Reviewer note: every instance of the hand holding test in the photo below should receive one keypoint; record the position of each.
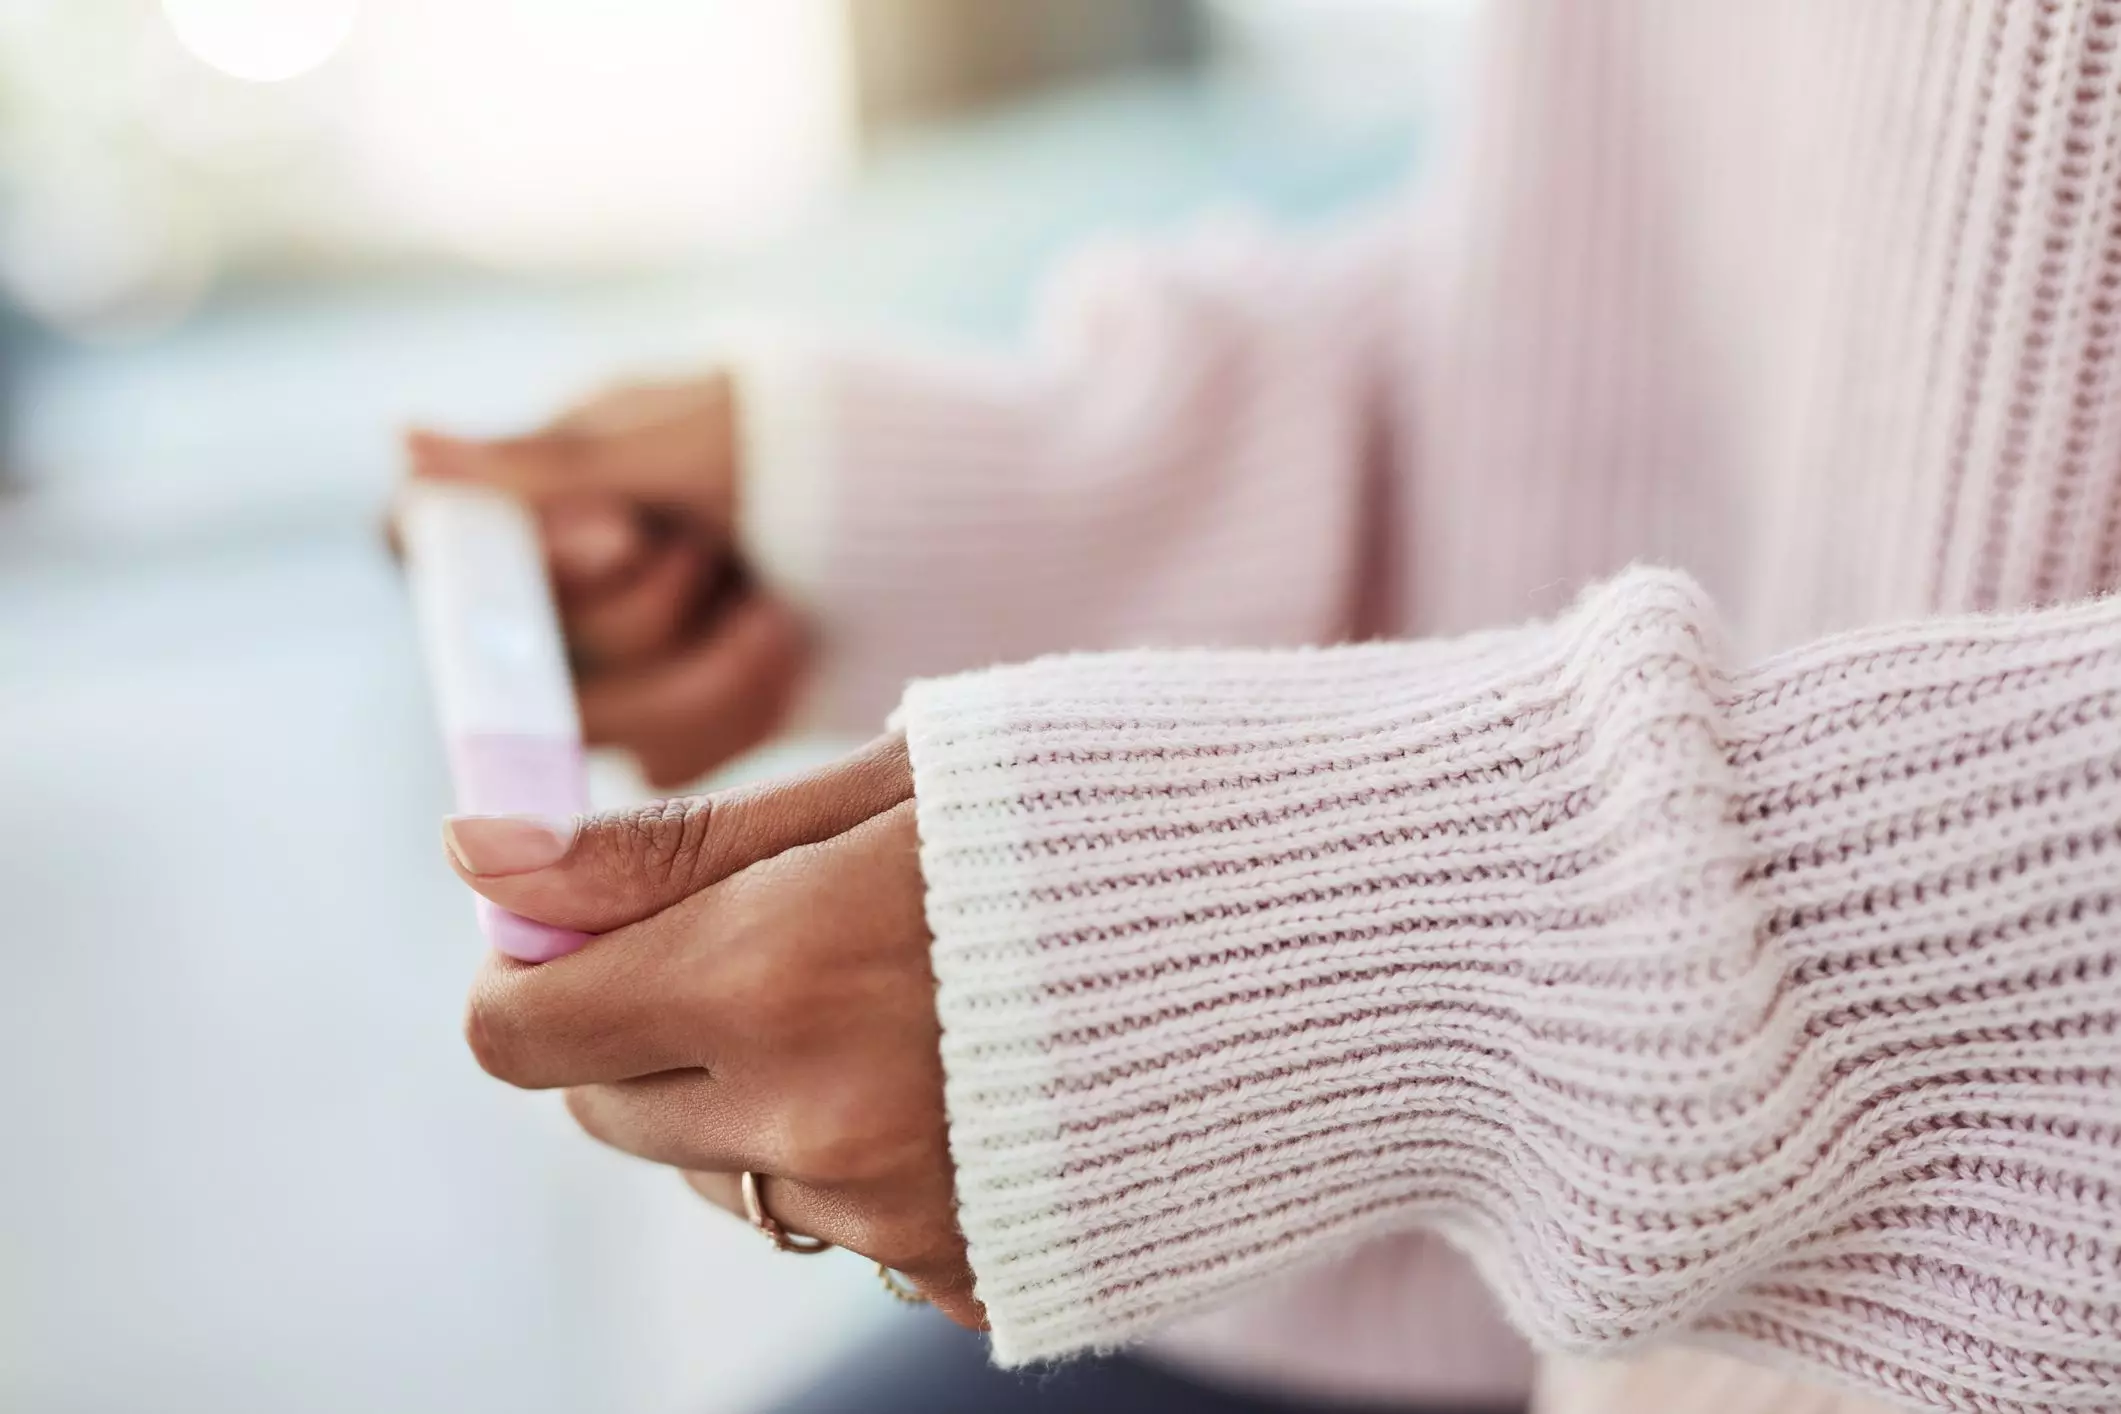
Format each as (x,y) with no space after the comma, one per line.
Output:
(491,636)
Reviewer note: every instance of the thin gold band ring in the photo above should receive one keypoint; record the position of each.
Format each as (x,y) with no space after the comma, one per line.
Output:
(781,1237)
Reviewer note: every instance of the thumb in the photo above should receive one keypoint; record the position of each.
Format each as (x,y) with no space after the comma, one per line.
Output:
(595,873)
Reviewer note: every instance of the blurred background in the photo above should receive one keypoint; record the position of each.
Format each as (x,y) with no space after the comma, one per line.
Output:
(248,1164)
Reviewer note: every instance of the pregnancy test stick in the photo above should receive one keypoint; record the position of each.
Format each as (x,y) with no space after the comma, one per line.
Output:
(491,637)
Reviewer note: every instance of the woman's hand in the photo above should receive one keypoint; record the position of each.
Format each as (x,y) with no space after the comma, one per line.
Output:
(677,657)
(760,998)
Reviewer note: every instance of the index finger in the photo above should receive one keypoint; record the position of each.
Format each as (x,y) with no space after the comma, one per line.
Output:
(536,467)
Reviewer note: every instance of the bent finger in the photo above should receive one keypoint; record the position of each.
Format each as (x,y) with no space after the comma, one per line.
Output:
(715,698)
(641,618)
(598,1015)
(685,1119)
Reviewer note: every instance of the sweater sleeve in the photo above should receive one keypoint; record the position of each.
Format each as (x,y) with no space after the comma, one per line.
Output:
(1125,483)
(1771,1004)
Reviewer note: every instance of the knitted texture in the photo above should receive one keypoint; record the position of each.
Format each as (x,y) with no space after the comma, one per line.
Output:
(1781,1003)
(1195,416)
(1707,972)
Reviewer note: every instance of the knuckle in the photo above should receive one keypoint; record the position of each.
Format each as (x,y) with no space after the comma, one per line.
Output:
(669,840)
(493,1030)
(483,1040)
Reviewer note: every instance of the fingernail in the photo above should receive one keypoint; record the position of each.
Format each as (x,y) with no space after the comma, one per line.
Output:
(493,846)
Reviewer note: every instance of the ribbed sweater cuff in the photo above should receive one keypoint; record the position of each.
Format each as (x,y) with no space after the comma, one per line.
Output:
(1205,1012)
(1630,972)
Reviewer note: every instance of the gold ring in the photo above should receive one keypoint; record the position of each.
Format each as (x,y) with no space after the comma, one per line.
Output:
(900,1287)
(781,1237)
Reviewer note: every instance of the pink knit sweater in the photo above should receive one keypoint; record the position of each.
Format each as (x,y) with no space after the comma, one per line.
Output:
(1728,950)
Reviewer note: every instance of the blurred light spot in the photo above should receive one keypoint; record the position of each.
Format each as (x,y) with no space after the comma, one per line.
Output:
(102,251)
(264,41)
(568,135)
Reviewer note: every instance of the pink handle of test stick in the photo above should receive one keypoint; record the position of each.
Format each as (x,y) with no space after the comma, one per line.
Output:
(498,774)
